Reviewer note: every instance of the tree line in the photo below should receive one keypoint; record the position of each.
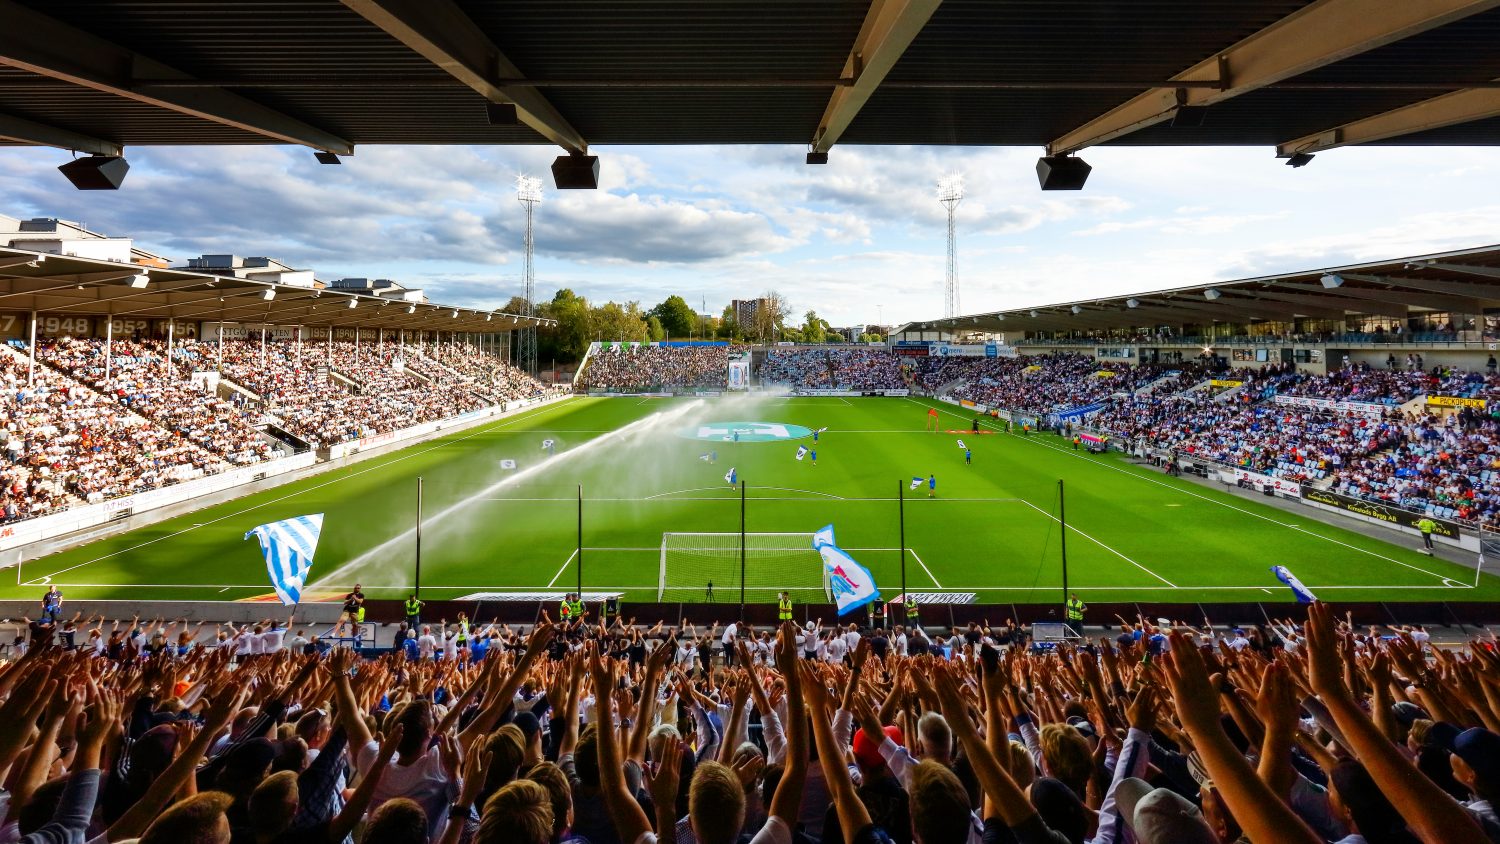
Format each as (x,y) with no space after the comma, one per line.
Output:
(581,322)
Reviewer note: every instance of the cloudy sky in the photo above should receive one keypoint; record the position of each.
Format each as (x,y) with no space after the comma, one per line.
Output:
(858,240)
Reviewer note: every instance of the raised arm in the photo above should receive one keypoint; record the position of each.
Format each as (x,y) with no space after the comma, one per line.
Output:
(1432,814)
(629,818)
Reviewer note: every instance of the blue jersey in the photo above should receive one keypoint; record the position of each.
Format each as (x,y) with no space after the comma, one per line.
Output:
(814,455)
(480,647)
(410,646)
(932,482)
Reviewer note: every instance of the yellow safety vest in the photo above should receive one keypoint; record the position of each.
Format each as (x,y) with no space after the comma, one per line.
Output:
(564,610)
(785,606)
(1075,609)
(413,607)
(577,609)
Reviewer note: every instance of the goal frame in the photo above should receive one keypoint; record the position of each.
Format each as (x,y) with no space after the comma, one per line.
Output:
(661,569)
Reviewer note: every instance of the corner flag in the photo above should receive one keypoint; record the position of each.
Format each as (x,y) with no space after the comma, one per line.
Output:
(851,583)
(288,546)
(1304,595)
(731,478)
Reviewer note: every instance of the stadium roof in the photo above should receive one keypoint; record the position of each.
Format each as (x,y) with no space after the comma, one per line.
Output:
(70,286)
(1466,281)
(96,75)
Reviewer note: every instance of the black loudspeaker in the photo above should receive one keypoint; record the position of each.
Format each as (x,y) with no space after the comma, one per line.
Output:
(1062,172)
(611,608)
(576,172)
(501,114)
(817,158)
(1189,116)
(96,172)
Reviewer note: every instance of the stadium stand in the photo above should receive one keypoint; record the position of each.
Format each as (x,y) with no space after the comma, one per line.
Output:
(839,369)
(1162,734)
(654,367)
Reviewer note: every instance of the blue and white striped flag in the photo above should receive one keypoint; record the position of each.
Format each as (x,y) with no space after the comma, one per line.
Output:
(731,478)
(917,481)
(288,546)
(1304,595)
(801,451)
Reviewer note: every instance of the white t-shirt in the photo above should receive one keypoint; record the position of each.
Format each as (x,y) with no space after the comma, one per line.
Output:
(426,644)
(271,640)
(852,639)
(730,633)
(837,647)
(423,781)
(774,832)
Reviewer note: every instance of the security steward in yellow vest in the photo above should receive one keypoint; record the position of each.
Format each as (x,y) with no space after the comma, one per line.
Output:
(576,608)
(784,607)
(913,612)
(413,612)
(1075,609)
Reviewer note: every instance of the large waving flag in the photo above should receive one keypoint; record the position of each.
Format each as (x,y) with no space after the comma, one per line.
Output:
(731,478)
(1304,595)
(801,451)
(288,546)
(917,481)
(851,583)
(962,446)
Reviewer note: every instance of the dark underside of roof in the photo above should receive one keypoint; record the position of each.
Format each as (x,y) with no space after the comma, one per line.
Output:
(771,65)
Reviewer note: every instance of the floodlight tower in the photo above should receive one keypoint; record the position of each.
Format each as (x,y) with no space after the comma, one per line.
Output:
(529,192)
(950,192)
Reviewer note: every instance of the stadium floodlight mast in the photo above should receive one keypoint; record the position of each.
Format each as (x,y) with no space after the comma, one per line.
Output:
(529,192)
(950,192)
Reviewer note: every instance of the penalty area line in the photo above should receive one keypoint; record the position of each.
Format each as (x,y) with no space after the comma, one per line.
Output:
(1108,548)
(564,568)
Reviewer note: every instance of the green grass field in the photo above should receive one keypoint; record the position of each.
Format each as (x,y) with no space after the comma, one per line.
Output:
(1133,534)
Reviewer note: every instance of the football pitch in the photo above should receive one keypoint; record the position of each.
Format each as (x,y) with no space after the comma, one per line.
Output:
(501,513)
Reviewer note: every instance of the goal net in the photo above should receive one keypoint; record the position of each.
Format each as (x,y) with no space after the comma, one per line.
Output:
(773,562)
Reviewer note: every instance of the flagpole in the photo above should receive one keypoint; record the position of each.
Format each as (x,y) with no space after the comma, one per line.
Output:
(1062,521)
(417,588)
(742,549)
(901,521)
(580,542)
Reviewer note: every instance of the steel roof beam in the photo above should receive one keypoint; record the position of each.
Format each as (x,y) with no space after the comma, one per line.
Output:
(439,31)
(1467,269)
(1410,298)
(22,131)
(1487,292)
(1464,106)
(1326,302)
(36,43)
(1315,36)
(889,28)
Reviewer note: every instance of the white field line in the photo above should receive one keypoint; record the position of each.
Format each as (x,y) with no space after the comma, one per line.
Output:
(659,499)
(1226,504)
(922,564)
(443,444)
(1102,545)
(491,587)
(563,568)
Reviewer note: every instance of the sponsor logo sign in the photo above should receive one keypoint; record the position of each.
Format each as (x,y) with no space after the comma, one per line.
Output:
(1455,401)
(1379,511)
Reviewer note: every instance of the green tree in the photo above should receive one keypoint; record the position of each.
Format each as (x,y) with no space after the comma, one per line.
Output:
(814,328)
(677,318)
(729,327)
(615,322)
(571,336)
(654,329)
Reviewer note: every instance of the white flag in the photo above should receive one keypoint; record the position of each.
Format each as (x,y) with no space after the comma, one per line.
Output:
(962,446)
(801,451)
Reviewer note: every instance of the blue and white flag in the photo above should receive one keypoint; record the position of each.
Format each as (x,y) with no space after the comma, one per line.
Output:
(1304,595)
(917,481)
(821,430)
(962,446)
(823,537)
(801,451)
(288,546)
(547,445)
(851,583)
(706,458)
(731,478)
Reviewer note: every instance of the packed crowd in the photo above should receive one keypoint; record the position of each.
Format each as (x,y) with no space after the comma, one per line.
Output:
(1045,384)
(656,367)
(66,443)
(141,380)
(840,369)
(325,410)
(496,379)
(1293,734)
